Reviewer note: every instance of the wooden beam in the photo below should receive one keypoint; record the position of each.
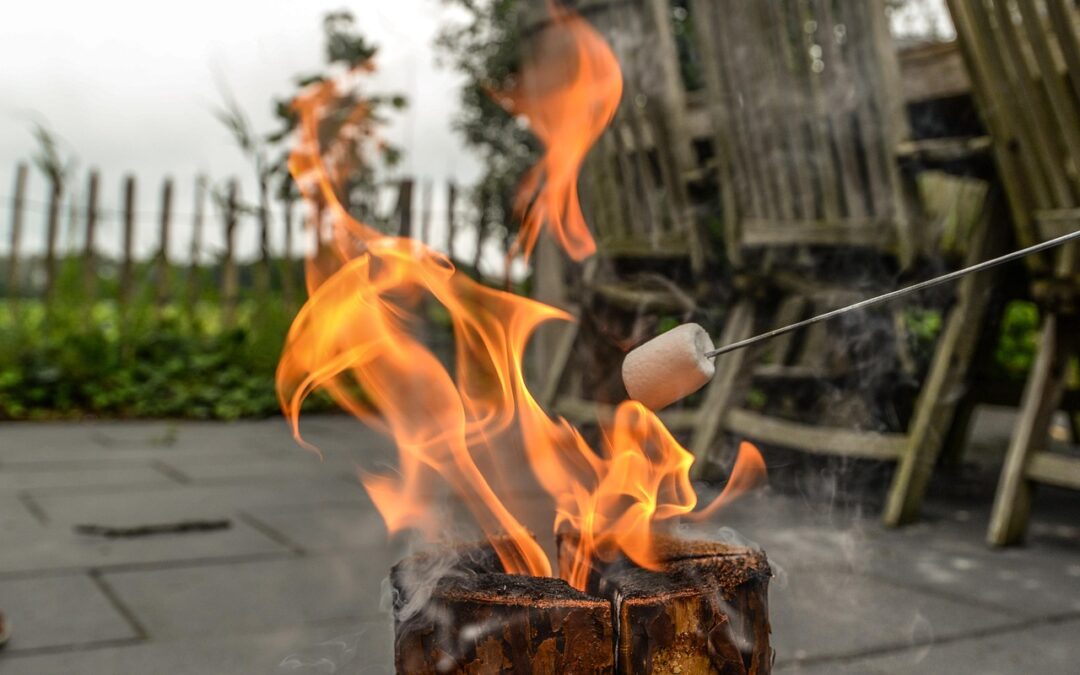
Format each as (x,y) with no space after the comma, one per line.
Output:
(843,232)
(1055,469)
(814,439)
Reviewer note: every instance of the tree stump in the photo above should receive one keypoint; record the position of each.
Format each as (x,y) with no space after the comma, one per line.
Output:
(704,611)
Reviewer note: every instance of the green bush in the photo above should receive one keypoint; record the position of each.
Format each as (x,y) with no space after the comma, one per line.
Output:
(81,362)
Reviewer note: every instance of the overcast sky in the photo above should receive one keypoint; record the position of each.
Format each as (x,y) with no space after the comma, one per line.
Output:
(129,85)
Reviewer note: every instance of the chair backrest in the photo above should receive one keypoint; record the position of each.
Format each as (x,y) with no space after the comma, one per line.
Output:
(808,114)
(635,184)
(1024,58)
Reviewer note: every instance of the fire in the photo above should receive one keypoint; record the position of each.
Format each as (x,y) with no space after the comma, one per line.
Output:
(568,91)
(355,339)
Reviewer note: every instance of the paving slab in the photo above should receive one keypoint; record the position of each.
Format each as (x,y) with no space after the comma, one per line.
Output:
(1047,649)
(59,612)
(819,614)
(180,502)
(42,550)
(74,479)
(339,648)
(325,529)
(296,465)
(254,596)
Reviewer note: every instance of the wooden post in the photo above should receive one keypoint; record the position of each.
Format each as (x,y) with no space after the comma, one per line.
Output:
(17,202)
(127,244)
(262,277)
(163,237)
(196,245)
(426,200)
(52,234)
(404,207)
(229,274)
(288,285)
(90,277)
(482,226)
(451,220)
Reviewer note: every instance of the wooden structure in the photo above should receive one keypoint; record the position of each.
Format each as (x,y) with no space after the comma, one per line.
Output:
(1024,58)
(801,131)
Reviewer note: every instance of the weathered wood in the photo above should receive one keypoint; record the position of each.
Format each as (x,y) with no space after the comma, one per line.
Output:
(195,250)
(464,615)
(89,257)
(52,236)
(288,281)
(703,610)
(1042,393)
(262,220)
(230,275)
(868,233)
(940,393)
(1054,469)
(404,208)
(451,219)
(18,201)
(127,244)
(814,439)
(164,231)
(427,197)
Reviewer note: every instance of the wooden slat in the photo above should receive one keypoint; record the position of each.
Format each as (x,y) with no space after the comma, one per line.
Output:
(165,226)
(89,261)
(1057,222)
(1055,468)
(1064,24)
(814,439)
(880,235)
(590,412)
(824,165)
(127,262)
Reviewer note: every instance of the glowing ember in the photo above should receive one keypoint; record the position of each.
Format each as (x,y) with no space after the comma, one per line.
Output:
(354,339)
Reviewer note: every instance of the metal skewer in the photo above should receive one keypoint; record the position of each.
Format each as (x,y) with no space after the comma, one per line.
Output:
(914,288)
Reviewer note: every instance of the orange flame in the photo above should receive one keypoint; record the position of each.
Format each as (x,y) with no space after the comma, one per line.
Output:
(355,339)
(568,91)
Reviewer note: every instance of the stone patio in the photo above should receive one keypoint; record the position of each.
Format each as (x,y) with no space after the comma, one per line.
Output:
(294,584)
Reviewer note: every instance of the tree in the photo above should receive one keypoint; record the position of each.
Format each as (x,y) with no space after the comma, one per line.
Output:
(486,48)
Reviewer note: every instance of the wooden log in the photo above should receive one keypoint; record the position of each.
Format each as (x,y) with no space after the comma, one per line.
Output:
(473,618)
(704,611)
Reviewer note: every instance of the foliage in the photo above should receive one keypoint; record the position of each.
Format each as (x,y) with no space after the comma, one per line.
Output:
(78,362)
(486,48)
(1019,339)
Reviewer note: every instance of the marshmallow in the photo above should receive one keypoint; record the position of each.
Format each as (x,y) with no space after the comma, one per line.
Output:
(669,367)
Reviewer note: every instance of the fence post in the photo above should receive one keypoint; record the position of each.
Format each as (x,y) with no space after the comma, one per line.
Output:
(196,246)
(17,201)
(229,276)
(262,278)
(52,234)
(288,287)
(128,244)
(90,277)
(426,200)
(404,207)
(163,272)
(451,221)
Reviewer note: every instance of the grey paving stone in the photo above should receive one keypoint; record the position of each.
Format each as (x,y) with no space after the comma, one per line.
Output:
(179,502)
(349,648)
(68,479)
(831,613)
(297,465)
(253,596)
(1046,649)
(33,549)
(330,528)
(59,612)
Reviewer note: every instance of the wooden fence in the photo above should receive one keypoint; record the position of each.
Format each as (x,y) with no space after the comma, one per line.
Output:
(38,274)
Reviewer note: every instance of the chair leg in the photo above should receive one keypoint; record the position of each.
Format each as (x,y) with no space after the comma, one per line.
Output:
(1042,394)
(720,393)
(937,402)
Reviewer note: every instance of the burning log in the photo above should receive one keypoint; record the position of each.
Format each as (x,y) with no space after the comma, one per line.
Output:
(476,619)
(704,611)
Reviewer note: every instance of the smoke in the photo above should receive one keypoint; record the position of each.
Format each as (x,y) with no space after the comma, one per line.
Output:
(332,656)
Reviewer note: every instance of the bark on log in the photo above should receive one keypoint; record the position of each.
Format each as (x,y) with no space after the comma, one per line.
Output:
(475,620)
(704,611)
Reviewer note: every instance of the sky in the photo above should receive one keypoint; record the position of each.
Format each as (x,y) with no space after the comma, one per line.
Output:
(130,86)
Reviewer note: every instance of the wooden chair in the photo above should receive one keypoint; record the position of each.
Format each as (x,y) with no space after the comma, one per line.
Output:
(1024,58)
(635,188)
(812,140)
